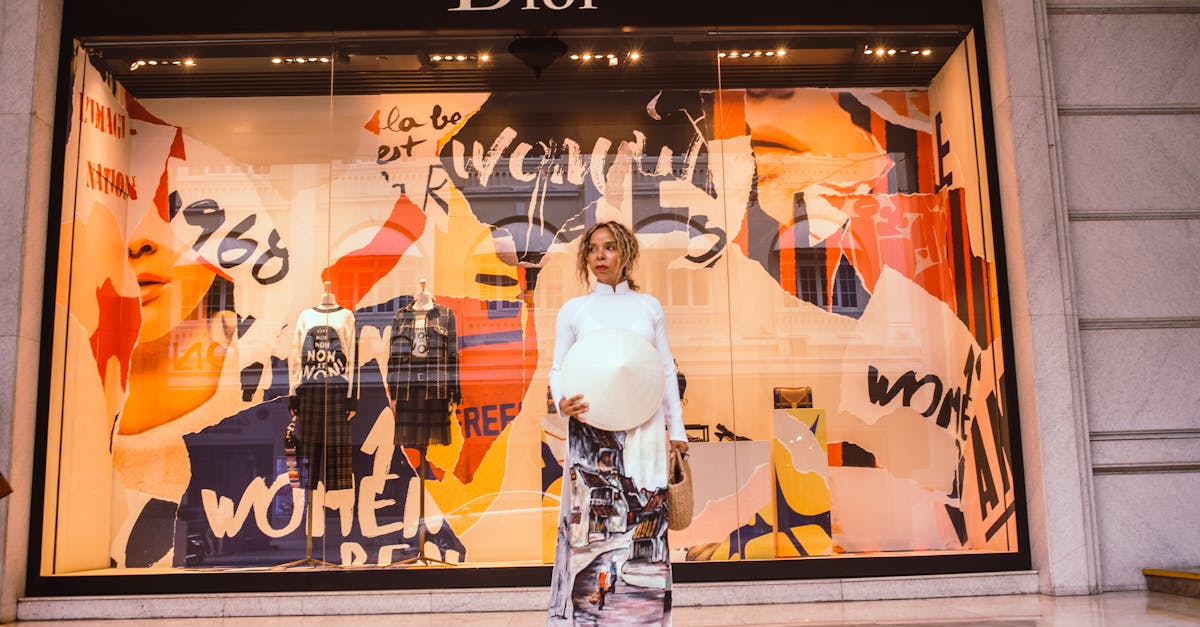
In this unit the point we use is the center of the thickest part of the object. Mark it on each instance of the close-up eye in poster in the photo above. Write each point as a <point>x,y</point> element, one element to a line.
<point>319,329</point>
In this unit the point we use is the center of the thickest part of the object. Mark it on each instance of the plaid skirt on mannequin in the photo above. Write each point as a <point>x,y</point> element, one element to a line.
<point>324,450</point>
<point>422,421</point>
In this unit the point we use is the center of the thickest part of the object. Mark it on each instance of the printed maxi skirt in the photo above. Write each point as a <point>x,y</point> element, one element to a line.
<point>611,564</point>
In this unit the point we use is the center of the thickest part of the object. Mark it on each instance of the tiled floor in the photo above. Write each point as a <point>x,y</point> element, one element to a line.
<point>1114,609</point>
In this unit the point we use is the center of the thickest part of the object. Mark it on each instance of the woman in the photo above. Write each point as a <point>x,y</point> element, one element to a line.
<point>612,565</point>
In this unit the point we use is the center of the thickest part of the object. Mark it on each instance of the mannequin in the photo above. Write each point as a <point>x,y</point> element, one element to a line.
<point>323,397</point>
<point>322,391</point>
<point>423,385</point>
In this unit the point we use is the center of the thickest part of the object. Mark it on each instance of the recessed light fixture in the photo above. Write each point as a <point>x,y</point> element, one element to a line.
<point>750,54</point>
<point>610,59</point>
<point>289,60</point>
<point>182,62</point>
<point>451,57</point>
<point>885,52</point>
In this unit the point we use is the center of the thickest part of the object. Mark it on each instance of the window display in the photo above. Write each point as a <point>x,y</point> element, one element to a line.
<point>824,256</point>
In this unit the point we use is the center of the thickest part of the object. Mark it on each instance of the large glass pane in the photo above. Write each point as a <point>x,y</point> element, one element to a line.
<point>365,242</point>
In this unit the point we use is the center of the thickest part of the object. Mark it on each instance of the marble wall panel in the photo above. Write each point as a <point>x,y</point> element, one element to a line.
<point>1136,268</point>
<point>1141,379</point>
<point>1125,59</point>
<point>1146,521</point>
<point>1114,452</point>
<point>1131,162</point>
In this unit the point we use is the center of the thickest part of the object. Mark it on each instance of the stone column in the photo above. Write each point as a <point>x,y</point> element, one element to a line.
<point>29,47</point>
<point>1046,342</point>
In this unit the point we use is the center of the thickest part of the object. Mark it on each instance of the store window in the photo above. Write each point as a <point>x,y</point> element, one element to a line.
<point>258,241</point>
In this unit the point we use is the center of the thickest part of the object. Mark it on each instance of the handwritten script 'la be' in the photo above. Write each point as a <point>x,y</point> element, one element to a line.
<point>398,123</point>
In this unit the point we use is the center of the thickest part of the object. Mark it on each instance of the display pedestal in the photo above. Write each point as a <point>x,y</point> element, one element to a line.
<point>420,559</point>
<point>308,559</point>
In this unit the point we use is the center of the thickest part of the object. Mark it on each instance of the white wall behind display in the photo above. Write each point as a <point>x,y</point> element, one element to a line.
<point>797,237</point>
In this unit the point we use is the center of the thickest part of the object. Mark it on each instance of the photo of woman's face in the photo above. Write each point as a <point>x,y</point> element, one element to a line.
<point>172,281</point>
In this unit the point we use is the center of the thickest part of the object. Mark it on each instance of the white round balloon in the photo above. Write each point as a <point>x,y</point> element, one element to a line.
<point>620,376</point>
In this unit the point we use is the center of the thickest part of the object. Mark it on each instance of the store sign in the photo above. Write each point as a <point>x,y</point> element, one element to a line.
<point>530,5</point>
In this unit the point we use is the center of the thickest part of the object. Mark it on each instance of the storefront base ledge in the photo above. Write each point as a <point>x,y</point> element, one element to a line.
<point>512,599</point>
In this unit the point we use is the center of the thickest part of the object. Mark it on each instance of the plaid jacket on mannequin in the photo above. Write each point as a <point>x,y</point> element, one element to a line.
<point>437,374</point>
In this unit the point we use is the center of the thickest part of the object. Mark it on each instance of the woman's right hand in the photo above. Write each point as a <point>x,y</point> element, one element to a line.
<point>572,406</point>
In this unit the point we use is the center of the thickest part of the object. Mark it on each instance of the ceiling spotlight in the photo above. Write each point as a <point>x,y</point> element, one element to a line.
<point>770,53</point>
<point>868,51</point>
<point>780,52</point>
<point>276,60</point>
<point>587,57</point>
<point>758,53</point>
<point>324,59</point>
<point>574,57</point>
<point>461,57</point>
<point>612,61</point>
<point>926,52</point>
<point>733,53</point>
<point>721,55</point>
<point>914,52</point>
<point>634,56</point>
<point>485,57</point>
<point>879,51</point>
<point>189,62</point>
<point>745,54</point>
<point>153,62</point>
<point>892,51</point>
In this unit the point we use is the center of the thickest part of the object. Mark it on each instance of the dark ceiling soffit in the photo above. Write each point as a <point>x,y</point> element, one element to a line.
<point>148,18</point>
<point>391,42</point>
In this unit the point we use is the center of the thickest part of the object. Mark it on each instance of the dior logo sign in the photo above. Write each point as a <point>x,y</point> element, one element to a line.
<point>530,5</point>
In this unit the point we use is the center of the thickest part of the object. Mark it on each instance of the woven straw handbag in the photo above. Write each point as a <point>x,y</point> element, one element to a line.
<point>680,504</point>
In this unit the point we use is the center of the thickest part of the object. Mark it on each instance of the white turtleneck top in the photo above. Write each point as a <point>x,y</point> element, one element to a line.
<point>620,307</point>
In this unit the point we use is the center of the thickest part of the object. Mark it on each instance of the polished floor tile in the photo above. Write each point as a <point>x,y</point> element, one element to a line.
<point>1113,609</point>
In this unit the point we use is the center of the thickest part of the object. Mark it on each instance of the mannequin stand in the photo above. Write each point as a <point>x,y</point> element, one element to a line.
<point>308,559</point>
<point>421,558</point>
